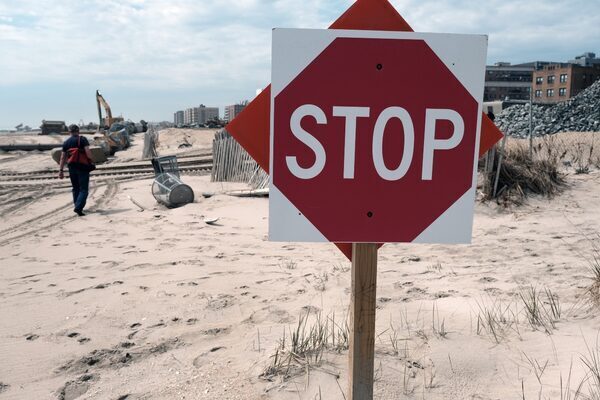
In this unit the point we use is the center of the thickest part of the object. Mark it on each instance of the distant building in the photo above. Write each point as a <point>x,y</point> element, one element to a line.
<point>233,110</point>
<point>190,116</point>
<point>587,59</point>
<point>206,114</point>
<point>178,118</point>
<point>505,81</point>
<point>561,81</point>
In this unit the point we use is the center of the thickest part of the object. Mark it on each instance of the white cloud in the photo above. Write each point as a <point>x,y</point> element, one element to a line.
<point>155,43</point>
<point>519,31</point>
<point>186,42</point>
<point>213,47</point>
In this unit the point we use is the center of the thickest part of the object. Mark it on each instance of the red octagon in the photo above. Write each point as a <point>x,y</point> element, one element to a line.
<point>374,73</point>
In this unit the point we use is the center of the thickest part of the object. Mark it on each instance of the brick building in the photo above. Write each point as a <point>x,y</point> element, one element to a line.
<point>561,81</point>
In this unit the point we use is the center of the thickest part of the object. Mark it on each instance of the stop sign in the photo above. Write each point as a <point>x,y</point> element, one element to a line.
<point>374,135</point>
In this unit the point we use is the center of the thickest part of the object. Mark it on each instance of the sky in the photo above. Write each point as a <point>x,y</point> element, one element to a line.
<point>150,58</point>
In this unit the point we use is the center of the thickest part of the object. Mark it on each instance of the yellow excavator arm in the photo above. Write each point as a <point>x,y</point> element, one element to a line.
<point>104,122</point>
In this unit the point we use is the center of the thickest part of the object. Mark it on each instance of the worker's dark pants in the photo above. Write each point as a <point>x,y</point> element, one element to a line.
<point>80,180</point>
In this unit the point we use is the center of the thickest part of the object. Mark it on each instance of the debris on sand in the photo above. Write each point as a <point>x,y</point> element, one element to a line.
<point>578,114</point>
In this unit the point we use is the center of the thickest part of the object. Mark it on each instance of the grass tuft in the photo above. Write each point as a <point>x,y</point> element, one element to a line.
<point>594,267</point>
<point>542,308</point>
<point>522,175</point>
<point>303,347</point>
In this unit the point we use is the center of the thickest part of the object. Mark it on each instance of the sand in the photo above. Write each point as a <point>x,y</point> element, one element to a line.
<point>124,304</point>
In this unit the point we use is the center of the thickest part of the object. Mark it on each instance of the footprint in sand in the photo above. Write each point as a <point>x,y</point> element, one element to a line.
<point>215,331</point>
<point>220,302</point>
<point>76,388</point>
<point>400,285</point>
<point>129,396</point>
<point>199,362</point>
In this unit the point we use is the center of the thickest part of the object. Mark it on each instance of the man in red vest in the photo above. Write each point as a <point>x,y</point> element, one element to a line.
<point>78,157</point>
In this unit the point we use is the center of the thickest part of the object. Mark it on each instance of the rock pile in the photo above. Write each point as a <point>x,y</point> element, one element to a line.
<point>580,114</point>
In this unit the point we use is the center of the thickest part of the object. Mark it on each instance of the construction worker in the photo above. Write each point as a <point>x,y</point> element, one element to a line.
<point>78,157</point>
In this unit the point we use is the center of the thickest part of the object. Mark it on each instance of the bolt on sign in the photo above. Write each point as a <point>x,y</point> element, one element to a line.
<point>374,135</point>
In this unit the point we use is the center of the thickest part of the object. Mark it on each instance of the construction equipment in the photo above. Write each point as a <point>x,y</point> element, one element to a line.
<point>52,127</point>
<point>108,120</point>
<point>109,142</point>
<point>115,131</point>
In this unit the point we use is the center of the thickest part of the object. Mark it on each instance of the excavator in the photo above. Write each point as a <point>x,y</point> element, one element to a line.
<point>109,141</point>
<point>106,122</point>
<point>115,131</point>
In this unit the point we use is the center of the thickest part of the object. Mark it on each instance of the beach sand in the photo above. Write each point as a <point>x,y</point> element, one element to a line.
<point>157,304</point>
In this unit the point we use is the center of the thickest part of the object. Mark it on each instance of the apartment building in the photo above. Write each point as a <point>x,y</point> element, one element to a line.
<point>233,110</point>
<point>190,116</point>
<point>206,114</point>
<point>178,119</point>
<point>561,81</point>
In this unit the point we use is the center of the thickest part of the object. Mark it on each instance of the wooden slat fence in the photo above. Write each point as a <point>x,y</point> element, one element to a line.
<point>231,163</point>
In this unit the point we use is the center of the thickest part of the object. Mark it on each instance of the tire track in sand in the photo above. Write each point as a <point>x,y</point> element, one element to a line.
<point>111,189</point>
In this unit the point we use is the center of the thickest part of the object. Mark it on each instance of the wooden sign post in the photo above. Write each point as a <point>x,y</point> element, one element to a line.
<point>362,321</point>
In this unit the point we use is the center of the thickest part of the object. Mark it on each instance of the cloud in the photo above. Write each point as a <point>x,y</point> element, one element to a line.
<point>219,50</point>
<point>518,31</point>
<point>155,43</point>
<point>187,43</point>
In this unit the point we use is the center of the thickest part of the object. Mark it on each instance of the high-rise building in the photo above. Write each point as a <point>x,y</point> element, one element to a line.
<point>206,114</point>
<point>233,110</point>
<point>178,118</point>
<point>190,116</point>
